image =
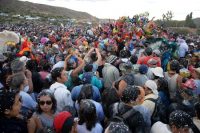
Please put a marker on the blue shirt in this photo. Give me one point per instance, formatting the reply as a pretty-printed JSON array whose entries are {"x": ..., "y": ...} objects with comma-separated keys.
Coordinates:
[
  {"x": 27, "y": 101},
  {"x": 77, "y": 89}
]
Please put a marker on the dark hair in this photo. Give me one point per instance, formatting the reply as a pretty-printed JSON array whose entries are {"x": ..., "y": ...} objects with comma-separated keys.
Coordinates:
[
  {"x": 16, "y": 80},
  {"x": 32, "y": 65},
  {"x": 88, "y": 68},
  {"x": 67, "y": 125},
  {"x": 133, "y": 59},
  {"x": 7, "y": 99},
  {"x": 87, "y": 114},
  {"x": 174, "y": 66},
  {"x": 163, "y": 85},
  {"x": 86, "y": 92},
  {"x": 56, "y": 73},
  {"x": 179, "y": 119},
  {"x": 118, "y": 127},
  {"x": 44, "y": 65},
  {"x": 46, "y": 93},
  {"x": 148, "y": 51},
  {"x": 130, "y": 94},
  {"x": 93, "y": 56}
]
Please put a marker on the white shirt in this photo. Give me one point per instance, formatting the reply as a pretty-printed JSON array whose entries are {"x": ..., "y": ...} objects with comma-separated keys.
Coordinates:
[
  {"x": 183, "y": 48},
  {"x": 160, "y": 127},
  {"x": 62, "y": 96}
]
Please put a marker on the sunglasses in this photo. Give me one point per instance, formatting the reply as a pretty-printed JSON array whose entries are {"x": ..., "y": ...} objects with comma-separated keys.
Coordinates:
[{"x": 45, "y": 102}]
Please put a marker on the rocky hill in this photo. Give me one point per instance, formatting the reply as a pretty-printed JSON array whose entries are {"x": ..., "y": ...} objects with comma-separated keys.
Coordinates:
[{"x": 28, "y": 8}]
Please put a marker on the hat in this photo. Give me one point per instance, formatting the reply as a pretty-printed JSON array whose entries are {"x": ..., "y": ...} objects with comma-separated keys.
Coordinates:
[
  {"x": 157, "y": 52},
  {"x": 111, "y": 59},
  {"x": 158, "y": 71},
  {"x": 125, "y": 66},
  {"x": 60, "y": 119},
  {"x": 23, "y": 59},
  {"x": 152, "y": 85},
  {"x": 151, "y": 62},
  {"x": 17, "y": 65},
  {"x": 2, "y": 58},
  {"x": 143, "y": 69}
]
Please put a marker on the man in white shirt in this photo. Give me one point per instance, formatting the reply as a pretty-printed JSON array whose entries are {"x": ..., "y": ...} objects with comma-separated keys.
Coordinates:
[{"x": 61, "y": 94}]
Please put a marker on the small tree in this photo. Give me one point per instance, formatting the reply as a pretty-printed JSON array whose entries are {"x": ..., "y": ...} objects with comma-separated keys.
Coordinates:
[{"x": 189, "y": 22}]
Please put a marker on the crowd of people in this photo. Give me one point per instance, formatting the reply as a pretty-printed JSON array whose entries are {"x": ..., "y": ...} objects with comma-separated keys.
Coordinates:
[{"x": 126, "y": 76}]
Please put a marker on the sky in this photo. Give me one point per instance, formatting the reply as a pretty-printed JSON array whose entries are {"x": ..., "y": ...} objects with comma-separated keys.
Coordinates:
[{"x": 113, "y": 9}]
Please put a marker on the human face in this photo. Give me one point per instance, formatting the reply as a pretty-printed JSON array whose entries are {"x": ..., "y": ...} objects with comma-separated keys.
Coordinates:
[
  {"x": 45, "y": 104},
  {"x": 147, "y": 90},
  {"x": 63, "y": 76},
  {"x": 180, "y": 130},
  {"x": 14, "y": 111}
]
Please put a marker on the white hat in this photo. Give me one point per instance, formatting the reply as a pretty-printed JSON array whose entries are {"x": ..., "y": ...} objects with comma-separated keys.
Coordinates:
[
  {"x": 152, "y": 85},
  {"x": 23, "y": 59},
  {"x": 157, "y": 52},
  {"x": 158, "y": 71}
]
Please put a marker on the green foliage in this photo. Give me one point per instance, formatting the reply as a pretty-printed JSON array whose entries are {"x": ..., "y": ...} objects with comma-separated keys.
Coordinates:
[{"x": 189, "y": 22}]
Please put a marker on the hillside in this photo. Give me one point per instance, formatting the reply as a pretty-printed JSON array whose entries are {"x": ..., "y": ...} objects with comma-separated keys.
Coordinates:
[
  {"x": 197, "y": 21},
  {"x": 28, "y": 8}
]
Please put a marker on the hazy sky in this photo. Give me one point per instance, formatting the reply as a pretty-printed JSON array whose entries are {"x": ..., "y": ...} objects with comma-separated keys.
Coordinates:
[{"x": 116, "y": 8}]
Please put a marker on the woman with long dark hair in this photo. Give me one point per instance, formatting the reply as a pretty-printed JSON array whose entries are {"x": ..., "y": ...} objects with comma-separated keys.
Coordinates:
[{"x": 88, "y": 119}]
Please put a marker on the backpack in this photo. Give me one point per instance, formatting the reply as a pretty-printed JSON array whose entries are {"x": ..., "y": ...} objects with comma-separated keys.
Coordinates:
[
  {"x": 160, "y": 111},
  {"x": 125, "y": 116}
]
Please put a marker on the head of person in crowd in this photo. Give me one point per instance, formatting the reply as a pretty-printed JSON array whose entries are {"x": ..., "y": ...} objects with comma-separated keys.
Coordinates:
[
  {"x": 126, "y": 68},
  {"x": 133, "y": 59},
  {"x": 130, "y": 95},
  {"x": 121, "y": 84},
  {"x": 46, "y": 102},
  {"x": 143, "y": 69},
  {"x": 18, "y": 81},
  {"x": 87, "y": 114},
  {"x": 59, "y": 75},
  {"x": 162, "y": 85},
  {"x": 71, "y": 64},
  {"x": 44, "y": 65},
  {"x": 86, "y": 92},
  {"x": 117, "y": 127},
  {"x": 180, "y": 122},
  {"x": 174, "y": 67},
  {"x": 148, "y": 51},
  {"x": 111, "y": 59},
  {"x": 58, "y": 57},
  {"x": 150, "y": 87},
  {"x": 64, "y": 123},
  {"x": 10, "y": 103},
  {"x": 196, "y": 73},
  {"x": 124, "y": 53},
  {"x": 32, "y": 65},
  {"x": 141, "y": 96},
  {"x": 157, "y": 72},
  {"x": 88, "y": 68},
  {"x": 18, "y": 66},
  {"x": 156, "y": 53}
]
